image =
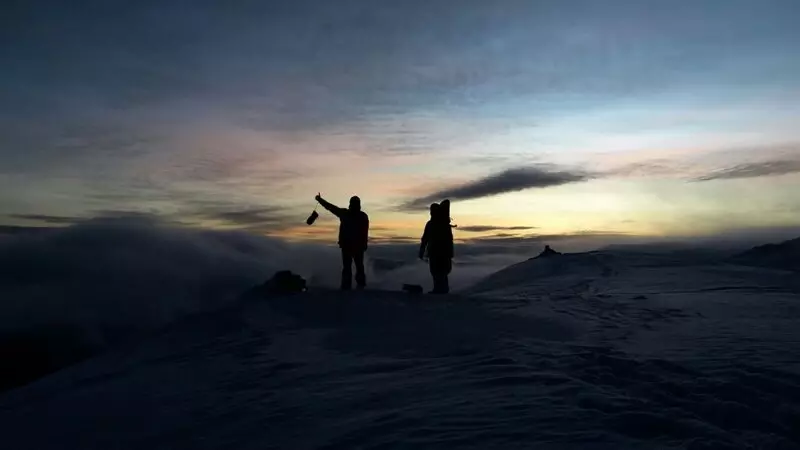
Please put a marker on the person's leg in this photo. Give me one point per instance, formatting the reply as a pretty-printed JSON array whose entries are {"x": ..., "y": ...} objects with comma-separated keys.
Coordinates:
[
  {"x": 347, "y": 271},
  {"x": 436, "y": 272},
  {"x": 432, "y": 269},
  {"x": 361, "y": 277},
  {"x": 447, "y": 267}
]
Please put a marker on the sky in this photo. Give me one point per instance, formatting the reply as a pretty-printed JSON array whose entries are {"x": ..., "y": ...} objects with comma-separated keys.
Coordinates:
[{"x": 536, "y": 118}]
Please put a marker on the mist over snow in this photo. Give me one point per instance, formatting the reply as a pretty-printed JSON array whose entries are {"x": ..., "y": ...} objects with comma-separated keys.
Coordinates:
[{"x": 105, "y": 279}]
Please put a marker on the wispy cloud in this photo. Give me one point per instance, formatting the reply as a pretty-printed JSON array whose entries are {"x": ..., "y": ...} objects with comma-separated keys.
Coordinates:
[
  {"x": 256, "y": 216},
  {"x": 753, "y": 170},
  {"x": 266, "y": 218},
  {"x": 485, "y": 228},
  {"x": 721, "y": 163},
  {"x": 393, "y": 239},
  {"x": 651, "y": 168},
  {"x": 510, "y": 180},
  {"x": 506, "y": 238}
]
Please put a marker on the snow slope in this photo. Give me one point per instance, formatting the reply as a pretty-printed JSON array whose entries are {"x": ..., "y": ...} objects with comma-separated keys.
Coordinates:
[{"x": 599, "y": 350}]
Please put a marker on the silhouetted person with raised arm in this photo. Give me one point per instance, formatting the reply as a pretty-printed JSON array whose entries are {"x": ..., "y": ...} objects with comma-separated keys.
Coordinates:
[
  {"x": 438, "y": 241},
  {"x": 353, "y": 236}
]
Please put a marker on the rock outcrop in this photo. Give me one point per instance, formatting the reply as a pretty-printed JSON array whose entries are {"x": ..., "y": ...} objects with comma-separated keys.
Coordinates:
[
  {"x": 285, "y": 281},
  {"x": 547, "y": 253}
]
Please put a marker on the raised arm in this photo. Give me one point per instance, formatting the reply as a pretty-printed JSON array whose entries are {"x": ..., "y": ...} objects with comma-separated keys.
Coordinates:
[{"x": 330, "y": 206}]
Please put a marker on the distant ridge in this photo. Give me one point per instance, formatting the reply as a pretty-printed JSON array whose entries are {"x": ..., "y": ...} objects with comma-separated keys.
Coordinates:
[{"x": 785, "y": 255}]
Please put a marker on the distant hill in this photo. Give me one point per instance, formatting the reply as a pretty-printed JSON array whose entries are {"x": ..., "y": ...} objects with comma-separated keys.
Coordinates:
[{"x": 785, "y": 255}]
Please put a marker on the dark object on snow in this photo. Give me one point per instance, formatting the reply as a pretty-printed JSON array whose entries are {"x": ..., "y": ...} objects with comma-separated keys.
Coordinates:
[
  {"x": 548, "y": 253},
  {"x": 312, "y": 217},
  {"x": 285, "y": 282},
  {"x": 412, "y": 288}
]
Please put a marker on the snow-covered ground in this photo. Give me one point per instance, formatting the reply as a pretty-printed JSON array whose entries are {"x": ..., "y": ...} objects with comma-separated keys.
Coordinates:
[{"x": 608, "y": 349}]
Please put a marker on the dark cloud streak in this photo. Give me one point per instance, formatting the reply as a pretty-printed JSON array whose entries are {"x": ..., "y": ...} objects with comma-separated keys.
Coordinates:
[
  {"x": 46, "y": 218},
  {"x": 14, "y": 230},
  {"x": 510, "y": 180}
]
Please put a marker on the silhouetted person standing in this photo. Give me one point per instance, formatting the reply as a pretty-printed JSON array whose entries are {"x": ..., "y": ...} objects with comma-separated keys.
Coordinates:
[
  {"x": 353, "y": 236},
  {"x": 438, "y": 241}
]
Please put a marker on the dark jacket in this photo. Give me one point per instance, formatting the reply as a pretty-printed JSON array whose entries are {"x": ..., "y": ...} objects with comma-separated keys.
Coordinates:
[
  {"x": 437, "y": 239},
  {"x": 353, "y": 227}
]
